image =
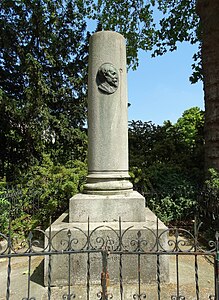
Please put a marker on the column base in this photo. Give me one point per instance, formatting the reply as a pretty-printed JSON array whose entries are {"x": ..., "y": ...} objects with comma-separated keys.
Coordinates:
[
  {"x": 130, "y": 206},
  {"x": 107, "y": 183}
]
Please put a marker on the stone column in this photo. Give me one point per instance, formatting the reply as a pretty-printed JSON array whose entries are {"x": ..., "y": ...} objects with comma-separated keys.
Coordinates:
[
  {"x": 108, "y": 193},
  {"x": 107, "y": 115}
]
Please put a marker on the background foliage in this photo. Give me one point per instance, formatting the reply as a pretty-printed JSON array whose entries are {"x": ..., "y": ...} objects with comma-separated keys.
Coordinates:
[
  {"x": 166, "y": 164},
  {"x": 43, "y": 82},
  {"x": 43, "y": 60},
  {"x": 43, "y": 192}
]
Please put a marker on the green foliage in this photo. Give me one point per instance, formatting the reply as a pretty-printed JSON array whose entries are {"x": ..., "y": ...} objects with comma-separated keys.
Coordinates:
[
  {"x": 43, "y": 87},
  {"x": 191, "y": 126},
  {"x": 52, "y": 186},
  {"x": 213, "y": 182},
  {"x": 173, "y": 207},
  {"x": 133, "y": 19},
  {"x": 147, "y": 25},
  {"x": 169, "y": 158},
  {"x": 42, "y": 193},
  {"x": 69, "y": 146},
  {"x": 209, "y": 202},
  {"x": 4, "y": 209},
  {"x": 179, "y": 23},
  {"x": 156, "y": 25}
]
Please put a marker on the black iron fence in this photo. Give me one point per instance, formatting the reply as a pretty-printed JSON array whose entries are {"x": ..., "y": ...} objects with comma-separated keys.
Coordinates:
[
  {"x": 109, "y": 261},
  {"x": 118, "y": 260}
]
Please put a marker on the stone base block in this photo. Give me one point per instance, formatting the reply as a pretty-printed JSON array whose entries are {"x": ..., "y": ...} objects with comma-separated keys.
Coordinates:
[
  {"x": 107, "y": 208},
  {"x": 81, "y": 266}
]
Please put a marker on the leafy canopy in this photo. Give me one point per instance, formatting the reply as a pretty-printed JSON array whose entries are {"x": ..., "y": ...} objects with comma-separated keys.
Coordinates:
[
  {"x": 156, "y": 25},
  {"x": 43, "y": 79}
]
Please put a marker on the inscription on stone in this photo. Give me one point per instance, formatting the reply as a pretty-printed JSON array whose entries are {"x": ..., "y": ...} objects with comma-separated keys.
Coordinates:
[
  {"x": 99, "y": 259},
  {"x": 107, "y": 78}
]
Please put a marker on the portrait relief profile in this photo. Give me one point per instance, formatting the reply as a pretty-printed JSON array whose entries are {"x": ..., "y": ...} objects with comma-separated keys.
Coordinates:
[{"x": 107, "y": 78}]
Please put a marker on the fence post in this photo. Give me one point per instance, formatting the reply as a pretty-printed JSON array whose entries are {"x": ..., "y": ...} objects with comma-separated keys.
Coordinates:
[
  {"x": 217, "y": 266},
  {"x": 217, "y": 276},
  {"x": 104, "y": 276}
]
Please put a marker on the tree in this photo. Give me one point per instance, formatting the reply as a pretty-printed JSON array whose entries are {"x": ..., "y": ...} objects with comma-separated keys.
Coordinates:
[
  {"x": 133, "y": 19},
  {"x": 169, "y": 156},
  {"x": 209, "y": 12},
  {"x": 43, "y": 80},
  {"x": 152, "y": 24},
  {"x": 166, "y": 164}
]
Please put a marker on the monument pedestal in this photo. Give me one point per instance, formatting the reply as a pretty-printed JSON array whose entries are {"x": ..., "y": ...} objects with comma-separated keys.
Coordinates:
[
  {"x": 114, "y": 235},
  {"x": 107, "y": 208}
]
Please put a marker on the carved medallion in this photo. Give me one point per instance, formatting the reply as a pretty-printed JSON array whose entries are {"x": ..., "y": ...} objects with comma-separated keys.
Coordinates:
[{"x": 107, "y": 78}]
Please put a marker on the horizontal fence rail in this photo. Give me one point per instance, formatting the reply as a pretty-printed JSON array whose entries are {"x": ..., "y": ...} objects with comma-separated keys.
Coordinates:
[{"x": 119, "y": 252}]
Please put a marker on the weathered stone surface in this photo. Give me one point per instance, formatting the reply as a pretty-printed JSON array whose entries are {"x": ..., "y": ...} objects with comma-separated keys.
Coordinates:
[
  {"x": 108, "y": 193},
  {"x": 107, "y": 115},
  {"x": 107, "y": 208},
  {"x": 106, "y": 231}
]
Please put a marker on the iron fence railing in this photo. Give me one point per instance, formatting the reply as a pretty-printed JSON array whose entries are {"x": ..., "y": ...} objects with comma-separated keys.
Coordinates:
[
  {"x": 110, "y": 247},
  {"x": 27, "y": 268}
]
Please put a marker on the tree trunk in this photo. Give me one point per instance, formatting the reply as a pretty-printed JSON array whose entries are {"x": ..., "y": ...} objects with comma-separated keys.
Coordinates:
[{"x": 208, "y": 11}]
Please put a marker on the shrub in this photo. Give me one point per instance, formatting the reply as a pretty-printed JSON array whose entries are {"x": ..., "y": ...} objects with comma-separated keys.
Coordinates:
[
  {"x": 172, "y": 208},
  {"x": 4, "y": 215},
  {"x": 42, "y": 193}
]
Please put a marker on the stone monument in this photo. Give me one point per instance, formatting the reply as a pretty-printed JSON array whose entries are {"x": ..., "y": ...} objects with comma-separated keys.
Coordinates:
[
  {"x": 108, "y": 194},
  {"x": 108, "y": 190}
]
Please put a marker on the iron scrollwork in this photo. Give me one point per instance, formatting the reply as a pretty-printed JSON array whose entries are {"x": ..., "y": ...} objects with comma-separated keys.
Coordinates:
[
  {"x": 141, "y": 296},
  {"x": 178, "y": 297},
  {"x": 105, "y": 237},
  {"x": 107, "y": 296}
]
